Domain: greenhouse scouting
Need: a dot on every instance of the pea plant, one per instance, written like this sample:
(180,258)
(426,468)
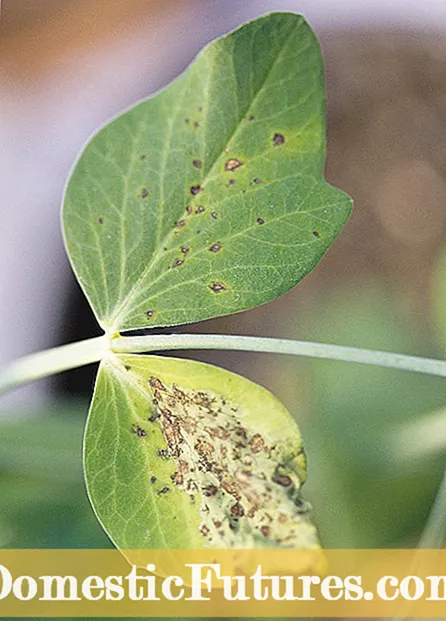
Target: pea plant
(204,200)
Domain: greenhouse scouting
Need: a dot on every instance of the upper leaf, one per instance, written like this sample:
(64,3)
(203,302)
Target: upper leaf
(208,198)
(180,454)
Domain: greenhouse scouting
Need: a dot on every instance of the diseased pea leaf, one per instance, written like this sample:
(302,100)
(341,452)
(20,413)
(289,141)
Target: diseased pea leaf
(180,454)
(208,198)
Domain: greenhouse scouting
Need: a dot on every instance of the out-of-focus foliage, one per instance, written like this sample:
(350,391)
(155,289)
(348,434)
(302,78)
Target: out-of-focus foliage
(439,298)
(372,478)
(43,503)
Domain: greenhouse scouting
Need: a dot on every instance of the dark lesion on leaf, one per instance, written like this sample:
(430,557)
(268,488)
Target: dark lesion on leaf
(215,247)
(149,314)
(144,193)
(195,189)
(197,163)
(218,287)
(139,431)
(245,488)
(260,221)
(177,263)
(101,220)
(232,164)
(278,139)
(163,490)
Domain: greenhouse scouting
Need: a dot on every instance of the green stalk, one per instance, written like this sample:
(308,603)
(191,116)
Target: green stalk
(140,344)
(71,356)
(53,361)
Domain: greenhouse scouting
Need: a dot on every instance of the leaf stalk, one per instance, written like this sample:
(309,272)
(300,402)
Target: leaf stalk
(75,355)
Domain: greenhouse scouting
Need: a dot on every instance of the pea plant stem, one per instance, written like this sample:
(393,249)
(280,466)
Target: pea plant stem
(140,344)
(51,361)
(74,355)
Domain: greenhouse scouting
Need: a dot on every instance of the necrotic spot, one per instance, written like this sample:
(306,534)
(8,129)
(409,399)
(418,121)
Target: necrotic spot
(195,189)
(144,193)
(217,287)
(232,164)
(278,139)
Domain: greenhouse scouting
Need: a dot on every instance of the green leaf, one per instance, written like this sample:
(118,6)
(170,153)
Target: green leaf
(208,198)
(180,454)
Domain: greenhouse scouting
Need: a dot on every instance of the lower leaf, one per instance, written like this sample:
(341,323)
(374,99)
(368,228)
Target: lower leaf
(180,454)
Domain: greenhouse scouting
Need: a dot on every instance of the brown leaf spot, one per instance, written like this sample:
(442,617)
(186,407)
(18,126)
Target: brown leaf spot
(237,510)
(215,247)
(316,233)
(140,432)
(257,180)
(205,449)
(177,478)
(149,314)
(144,193)
(156,383)
(185,249)
(180,223)
(142,156)
(154,417)
(199,209)
(260,221)
(195,189)
(189,209)
(153,479)
(257,443)
(265,530)
(177,263)
(232,164)
(197,163)
(278,139)
(210,490)
(251,117)
(196,124)
(214,215)
(164,490)
(101,220)
(217,287)
(282,479)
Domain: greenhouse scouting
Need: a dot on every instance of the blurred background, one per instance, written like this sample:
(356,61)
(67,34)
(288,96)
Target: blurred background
(375,438)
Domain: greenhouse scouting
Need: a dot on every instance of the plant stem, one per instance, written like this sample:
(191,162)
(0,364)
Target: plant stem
(78,354)
(53,361)
(140,344)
